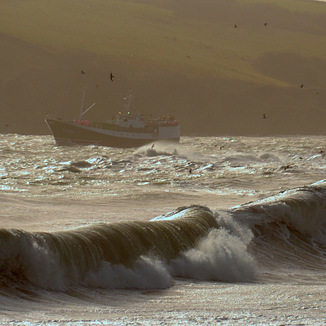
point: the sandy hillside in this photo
(216, 65)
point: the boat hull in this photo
(67, 133)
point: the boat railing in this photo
(149, 125)
(115, 127)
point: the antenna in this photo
(129, 98)
(82, 103)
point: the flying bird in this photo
(301, 85)
(111, 76)
(83, 72)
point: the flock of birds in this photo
(236, 26)
(112, 77)
(264, 116)
(300, 85)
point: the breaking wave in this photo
(187, 242)
(240, 244)
(289, 229)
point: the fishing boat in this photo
(124, 129)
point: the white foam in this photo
(145, 274)
(219, 257)
(41, 268)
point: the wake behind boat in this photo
(124, 130)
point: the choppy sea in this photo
(210, 231)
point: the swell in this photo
(286, 231)
(302, 208)
(289, 229)
(60, 259)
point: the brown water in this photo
(260, 263)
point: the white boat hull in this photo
(70, 133)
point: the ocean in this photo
(210, 231)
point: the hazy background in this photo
(217, 65)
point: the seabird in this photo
(111, 76)
(83, 72)
(301, 85)
(264, 116)
(235, 26)
(265, 24)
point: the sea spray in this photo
(221, 256)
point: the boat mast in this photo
(82, 112)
